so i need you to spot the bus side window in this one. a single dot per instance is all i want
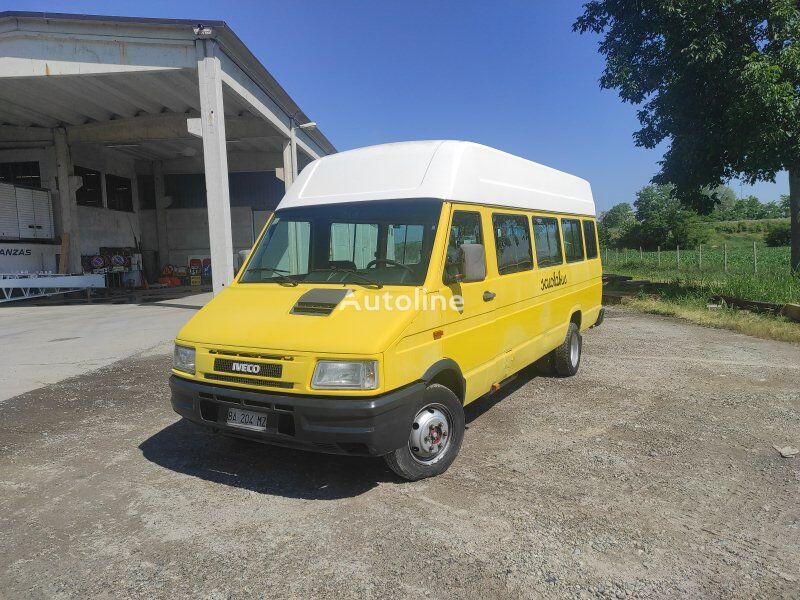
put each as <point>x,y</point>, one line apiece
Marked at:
<point>464,229</point>
<point>512,243</point>
<point>591,239</point>
<point>548,242</point>
<point>573,239</point>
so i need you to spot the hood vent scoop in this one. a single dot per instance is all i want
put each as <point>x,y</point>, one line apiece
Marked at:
<point>319,302</point>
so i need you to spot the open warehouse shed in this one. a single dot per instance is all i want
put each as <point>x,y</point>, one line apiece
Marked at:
<point>164,137</point>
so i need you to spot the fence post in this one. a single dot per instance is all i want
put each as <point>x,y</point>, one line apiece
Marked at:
<point>755,259</point>
<point>606,254</point>
<point>659,256</point>
<point>641,256</point>
<point>679,257</point>
<point>725,246</point>
<point>701,257</point>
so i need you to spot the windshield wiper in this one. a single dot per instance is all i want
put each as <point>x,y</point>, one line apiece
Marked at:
<point>280,273</point>
<point>363,278</point>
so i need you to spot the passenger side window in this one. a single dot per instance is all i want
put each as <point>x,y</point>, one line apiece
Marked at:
<point>591,239</point>
<point>573,239</point>
<point>465,229</point>
<point>513,242</point>
<point>288,253</point>
<point>548,242</point>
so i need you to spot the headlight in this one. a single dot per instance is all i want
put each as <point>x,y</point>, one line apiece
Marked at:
<point>183,359</point>
<point>345,375</point>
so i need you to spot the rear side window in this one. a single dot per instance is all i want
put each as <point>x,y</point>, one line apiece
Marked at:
<point>573,239</point>
<point>548,242</point>
<point>591,239</point>
<point>513,243</point>
<point>464,229</point>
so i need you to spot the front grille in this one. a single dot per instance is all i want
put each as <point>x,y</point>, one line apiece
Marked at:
<point>249,381</point>
<point>265,369</point>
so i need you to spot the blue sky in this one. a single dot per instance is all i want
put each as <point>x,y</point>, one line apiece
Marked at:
<point>512,75</point>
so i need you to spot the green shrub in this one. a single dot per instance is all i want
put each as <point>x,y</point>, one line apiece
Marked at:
<point>778,234</point>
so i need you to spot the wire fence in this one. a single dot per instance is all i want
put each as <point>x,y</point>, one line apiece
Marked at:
<point>718,259</point>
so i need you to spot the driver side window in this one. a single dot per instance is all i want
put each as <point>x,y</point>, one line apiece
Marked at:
<point>355,244</point>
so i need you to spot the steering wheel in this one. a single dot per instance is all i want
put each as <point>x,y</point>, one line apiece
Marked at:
<point>387,261</point>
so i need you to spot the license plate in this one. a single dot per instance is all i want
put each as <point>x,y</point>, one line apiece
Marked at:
<point>247,419</point>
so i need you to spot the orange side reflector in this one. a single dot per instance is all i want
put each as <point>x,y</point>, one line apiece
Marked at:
<point>495,387</point>
<point>437,335</point>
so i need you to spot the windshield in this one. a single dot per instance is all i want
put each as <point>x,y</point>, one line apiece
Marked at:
<point>370,243</point>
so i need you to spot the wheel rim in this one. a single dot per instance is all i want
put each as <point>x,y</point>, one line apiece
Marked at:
<point>574,350</point>
<point>430,435</point>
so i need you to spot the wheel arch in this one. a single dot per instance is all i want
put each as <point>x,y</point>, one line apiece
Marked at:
<point>446,372</point>
<point>576,316</point>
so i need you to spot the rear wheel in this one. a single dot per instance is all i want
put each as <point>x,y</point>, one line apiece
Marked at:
<point>434,438</point>
<point>567,357</point>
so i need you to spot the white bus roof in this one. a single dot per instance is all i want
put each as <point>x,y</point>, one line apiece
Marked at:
<point>448,170</point>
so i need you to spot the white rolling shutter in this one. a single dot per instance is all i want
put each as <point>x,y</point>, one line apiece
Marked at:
<point>9,226</point>
<point>25,215</point>
<point>43,213</point>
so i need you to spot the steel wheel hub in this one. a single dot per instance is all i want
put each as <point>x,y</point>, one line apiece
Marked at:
<point>574,349</point>
<point>430,433</point>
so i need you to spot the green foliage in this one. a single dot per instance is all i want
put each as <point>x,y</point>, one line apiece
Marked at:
<point>778,234</point>
<point>659,220</point>
<point>768,281</point>
<point>719,80</point>
<point>749,207</point>
<point>619,215</point>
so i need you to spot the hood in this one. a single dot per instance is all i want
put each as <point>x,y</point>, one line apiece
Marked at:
<point>305,318</point>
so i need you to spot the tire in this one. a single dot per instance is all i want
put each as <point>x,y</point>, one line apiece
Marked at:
<point>439,413</point>
<point>567,357</point>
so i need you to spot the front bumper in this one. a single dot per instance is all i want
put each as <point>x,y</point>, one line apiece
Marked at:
<point>366,426</point>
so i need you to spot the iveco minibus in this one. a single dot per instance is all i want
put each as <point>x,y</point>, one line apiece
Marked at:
<point>394,285</point>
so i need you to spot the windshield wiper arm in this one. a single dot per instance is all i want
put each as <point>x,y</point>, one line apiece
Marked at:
<point>280,273</point>
<point>363,278</point>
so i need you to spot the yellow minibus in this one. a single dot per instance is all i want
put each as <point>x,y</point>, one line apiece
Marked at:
<point>394,285</point>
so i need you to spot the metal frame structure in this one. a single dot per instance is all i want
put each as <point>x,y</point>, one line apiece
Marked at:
<point>15,286</point>
<point>175,95</point>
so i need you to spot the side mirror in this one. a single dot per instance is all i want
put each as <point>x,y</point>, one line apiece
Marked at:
<point>473,262</point>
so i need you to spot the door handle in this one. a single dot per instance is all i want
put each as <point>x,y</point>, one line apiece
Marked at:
<point>488,296</point>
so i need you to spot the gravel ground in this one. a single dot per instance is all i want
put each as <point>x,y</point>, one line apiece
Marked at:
<point>650,474</point>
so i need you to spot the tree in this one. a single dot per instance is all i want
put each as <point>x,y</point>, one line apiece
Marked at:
<point>618,215</point>
<point>614,223</point>
<point>718,79</point>
<point>662,220</point>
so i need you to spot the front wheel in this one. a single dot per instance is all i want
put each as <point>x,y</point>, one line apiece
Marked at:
<point>434,438</point>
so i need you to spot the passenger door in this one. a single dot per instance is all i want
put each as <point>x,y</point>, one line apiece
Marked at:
<point>469,337</point>
<point>513,321</point>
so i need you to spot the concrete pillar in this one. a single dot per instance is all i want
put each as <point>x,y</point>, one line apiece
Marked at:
<point>161,214</point>
<point>68,207</point>
<point>288,167</point>
<point>215,157</point>
<point>293,144</point>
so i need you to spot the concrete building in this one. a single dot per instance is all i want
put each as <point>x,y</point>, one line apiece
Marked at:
<point>165,132</point>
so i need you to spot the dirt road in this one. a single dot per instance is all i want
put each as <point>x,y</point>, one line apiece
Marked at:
<point>651,474</point>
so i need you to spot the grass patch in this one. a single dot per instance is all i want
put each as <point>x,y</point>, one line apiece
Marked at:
<point>691,309</point>
<point>683,284</point>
